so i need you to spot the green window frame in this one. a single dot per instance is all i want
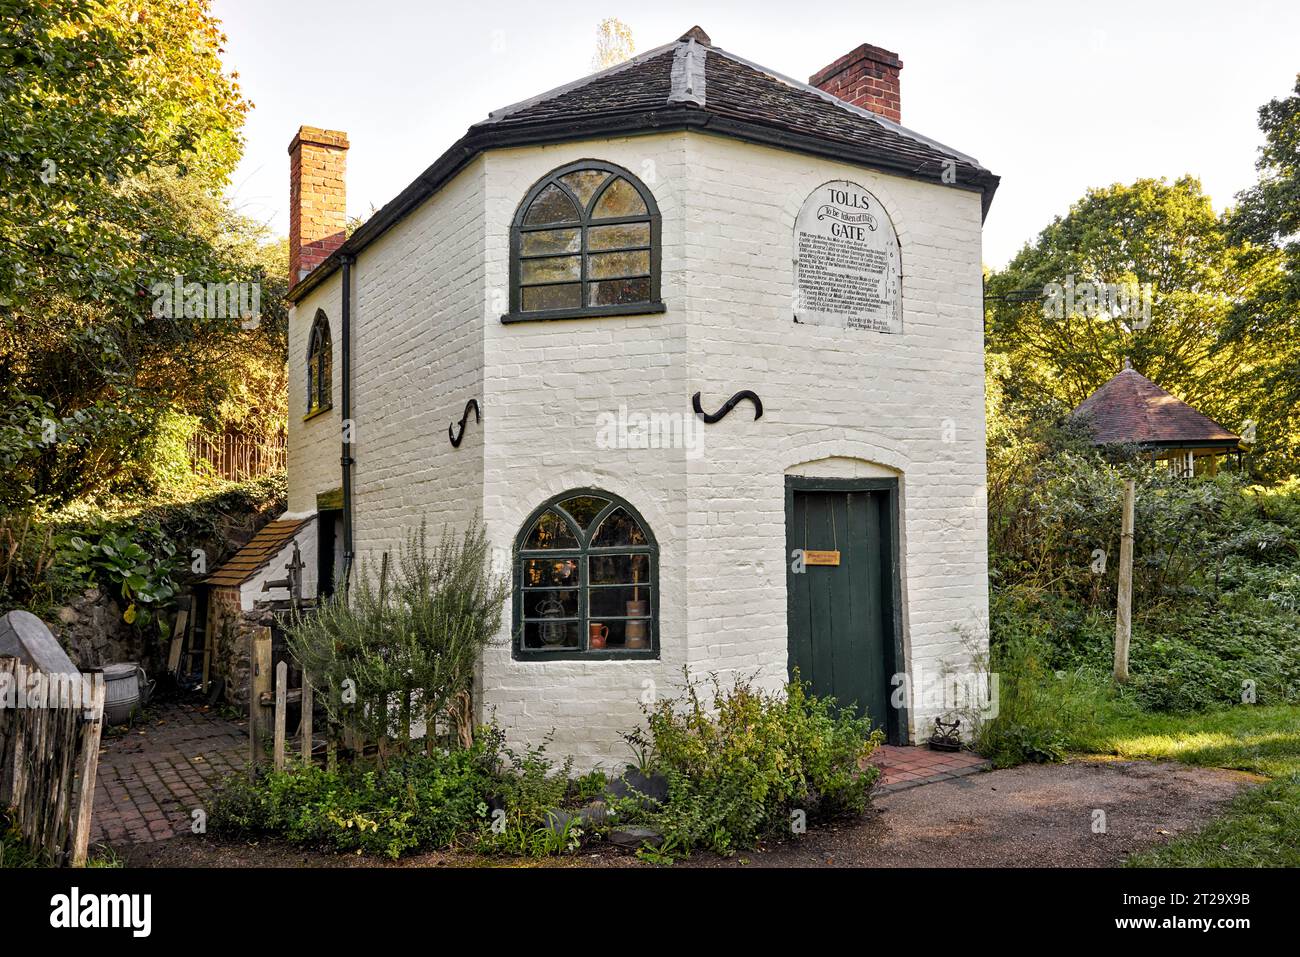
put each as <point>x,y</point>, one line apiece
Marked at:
<point>320,366</point>
<point>585,242</point>
<point>583,558</point>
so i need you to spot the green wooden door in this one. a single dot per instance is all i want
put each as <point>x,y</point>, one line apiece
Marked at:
<point>841,616</point>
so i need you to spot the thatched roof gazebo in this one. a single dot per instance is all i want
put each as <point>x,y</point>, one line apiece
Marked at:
<point>1130,409</point>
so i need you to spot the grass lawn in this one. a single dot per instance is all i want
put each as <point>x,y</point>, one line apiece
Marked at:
<point>1261,827</point>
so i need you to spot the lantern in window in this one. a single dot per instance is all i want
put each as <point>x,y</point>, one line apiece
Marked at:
<point>551,629</point>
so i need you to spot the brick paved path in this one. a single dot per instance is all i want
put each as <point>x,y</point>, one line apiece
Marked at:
<point>908,767</point>
<point>153,777</point>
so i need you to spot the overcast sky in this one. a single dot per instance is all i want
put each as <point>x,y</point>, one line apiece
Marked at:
<point>1053,97</point>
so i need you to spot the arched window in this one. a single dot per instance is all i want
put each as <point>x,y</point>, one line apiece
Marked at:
<point>585,242</point>
<point>320,365</point>
<point>586,580</point>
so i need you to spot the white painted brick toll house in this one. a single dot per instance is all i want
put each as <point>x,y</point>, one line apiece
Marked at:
<point>854,412</point>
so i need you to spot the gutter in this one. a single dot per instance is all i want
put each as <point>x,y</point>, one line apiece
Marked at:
<point>679,116</point>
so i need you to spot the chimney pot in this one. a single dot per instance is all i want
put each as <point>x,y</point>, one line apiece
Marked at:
<point>866,76</point>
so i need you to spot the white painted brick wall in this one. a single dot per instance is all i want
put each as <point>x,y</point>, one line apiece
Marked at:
<point>837,402</point>
<point>313,446</point>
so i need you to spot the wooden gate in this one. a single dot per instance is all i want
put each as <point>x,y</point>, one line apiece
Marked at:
<point>50,726</point>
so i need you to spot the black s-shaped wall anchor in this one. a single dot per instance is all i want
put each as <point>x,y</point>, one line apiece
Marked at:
<point>457,437</point>
<point>728,406</point>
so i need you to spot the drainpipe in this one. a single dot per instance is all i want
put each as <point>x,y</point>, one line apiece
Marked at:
<point>346,461</point>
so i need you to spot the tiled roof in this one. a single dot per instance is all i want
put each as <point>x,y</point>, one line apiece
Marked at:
<point>686,84</point>
<point>261,548</point>
<point>731,87</point>
<point>1130,408</point>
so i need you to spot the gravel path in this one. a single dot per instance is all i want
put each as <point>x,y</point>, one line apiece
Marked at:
<point>1031,816</point>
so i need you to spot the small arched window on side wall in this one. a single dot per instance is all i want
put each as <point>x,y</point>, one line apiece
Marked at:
<point>320,366</point>
<point>585,242</point>
<point>586,581</point>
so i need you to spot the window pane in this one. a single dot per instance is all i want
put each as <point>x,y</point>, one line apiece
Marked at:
<point>552,297</point>
<point>629,635</point>
<point>541,572</point>
<point>584,508</point>
<point>551,531</point>
<point>631,601</point>
<point>613,265</point>
<point>618,528</point>
<point>616,237</point>
<point>545,606</point>
<point>619,569</point>
<point>615,291</point>
<point>584,183</point>
<point>552,635</point>
<point>551,206</point>
<point>619,199</point>
<point>550,270</point>
<point>553,241</point>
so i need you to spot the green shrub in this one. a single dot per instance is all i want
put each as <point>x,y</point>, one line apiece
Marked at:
<point>411,636</point>
<point>1039,710</point>
<point>415,802</point>
<point>740,766</point>
<point>529,791</point>
<point>138,567</point>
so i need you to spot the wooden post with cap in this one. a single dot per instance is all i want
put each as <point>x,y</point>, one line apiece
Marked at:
<point>1124,608</point>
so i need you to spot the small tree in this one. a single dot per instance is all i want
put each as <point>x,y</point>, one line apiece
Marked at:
<point>614,44</point>
<point>406,640</point>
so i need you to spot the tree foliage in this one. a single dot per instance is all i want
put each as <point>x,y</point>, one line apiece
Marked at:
<point>119,128</point>
<point>1266,222</point>
<point>1188,338</point>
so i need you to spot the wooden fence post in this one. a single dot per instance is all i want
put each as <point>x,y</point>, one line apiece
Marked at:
<point>259,682</point>
<point>307,705</point>
<point>87,767</point>
<point>281,706</point>
<point>1124,609</point>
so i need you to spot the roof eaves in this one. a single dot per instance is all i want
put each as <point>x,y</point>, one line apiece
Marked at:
<point>679,112</point>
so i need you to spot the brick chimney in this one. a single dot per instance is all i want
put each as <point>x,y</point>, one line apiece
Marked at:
<point>317,198</point>
<point>867,77</point>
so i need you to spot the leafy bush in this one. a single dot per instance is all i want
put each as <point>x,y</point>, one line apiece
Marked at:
<point>406,640</point>
<point>39,571</point>
<point>1039,709</point>
<point>141,576</point>
<point>415,801</point>
<point>1216,575</point>
<point>529,790</point>
<point>738,767</point>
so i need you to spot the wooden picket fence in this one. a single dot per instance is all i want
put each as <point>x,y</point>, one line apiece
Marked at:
<point>49,754</point>
<point>235,457</point>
